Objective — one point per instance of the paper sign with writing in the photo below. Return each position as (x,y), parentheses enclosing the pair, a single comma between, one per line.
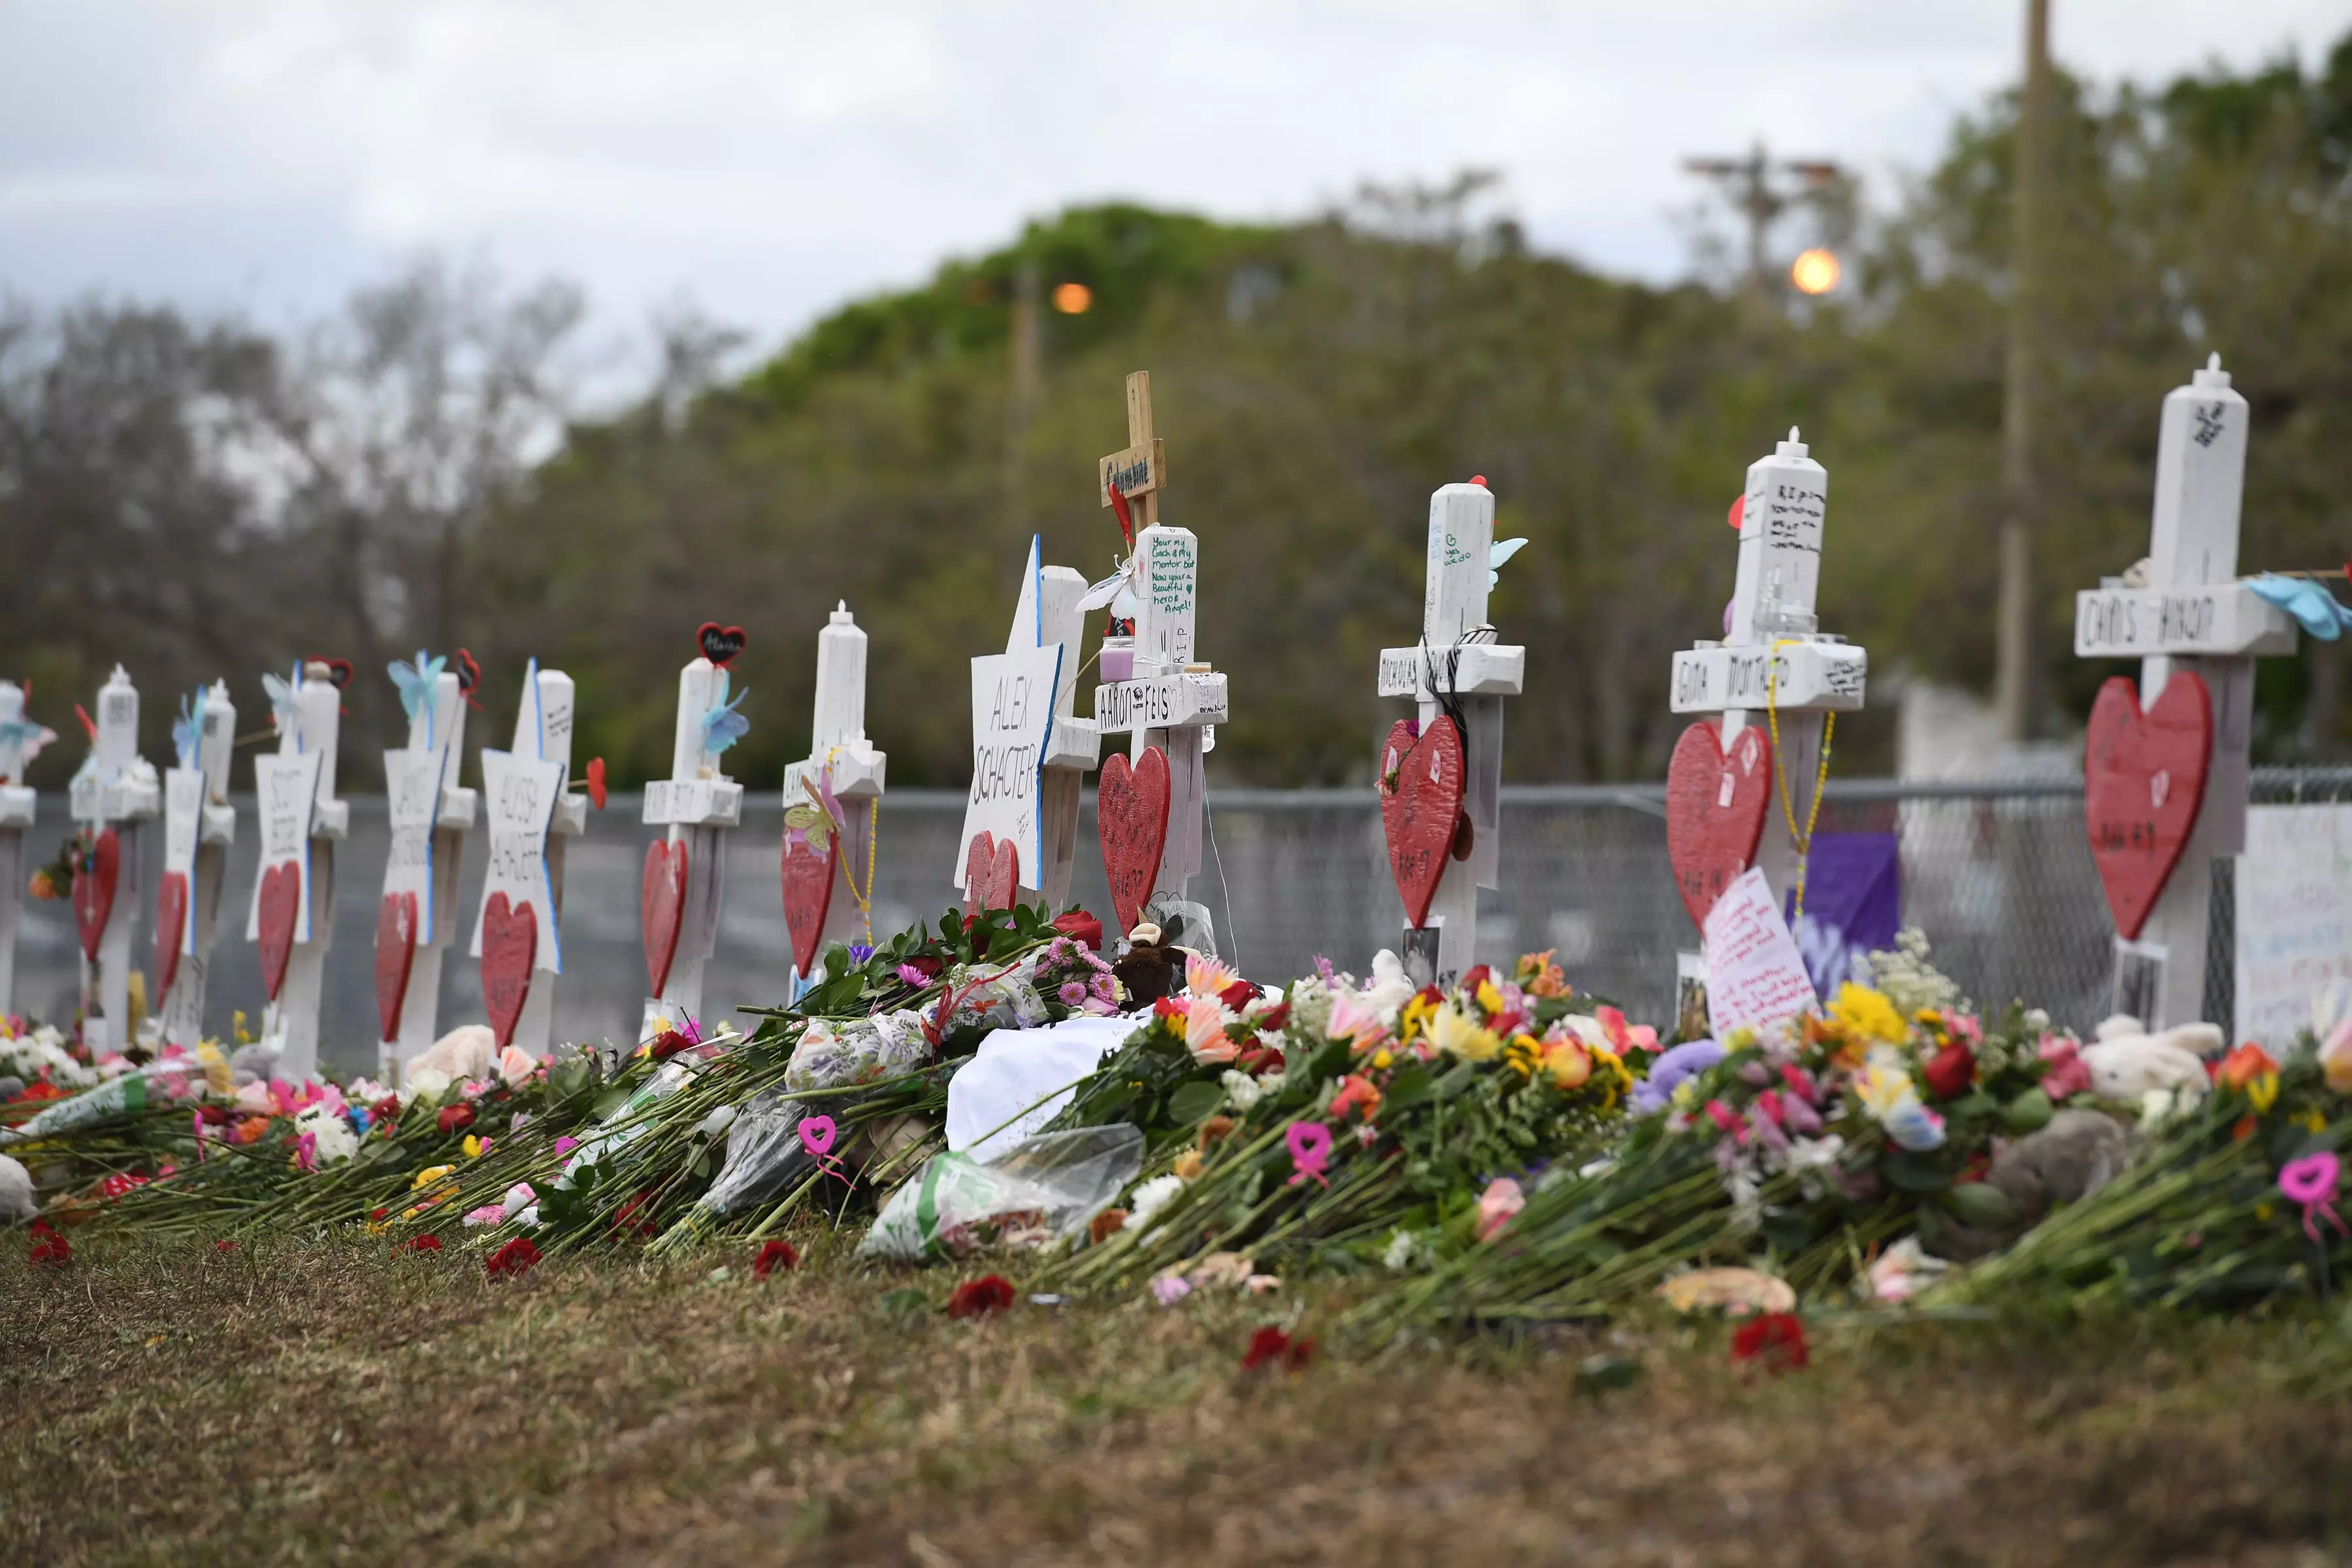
(2294,916)
(520,794)
(412,787)
(286,784)
(183,808)
(1755,975)
(1012,720)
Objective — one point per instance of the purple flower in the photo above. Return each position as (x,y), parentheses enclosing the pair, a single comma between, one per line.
(913,976)
(1103,987)
(1684,1061)
(564,1145)
(1072,993)
(859,952)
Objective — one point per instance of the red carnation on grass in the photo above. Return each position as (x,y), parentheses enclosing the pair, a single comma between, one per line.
(1951,1072)
(667,1044)
(455,1118)
(632,1215)
(517,1256)
(48,1246)
(774,1255)
(418,1244)
(1271,1347)
(978,1298)
(1082,927)
(1774,1340)
(224,1246)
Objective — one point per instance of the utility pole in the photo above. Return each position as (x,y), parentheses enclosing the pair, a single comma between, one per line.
(1022,401)
(2014,696)
(1754,189)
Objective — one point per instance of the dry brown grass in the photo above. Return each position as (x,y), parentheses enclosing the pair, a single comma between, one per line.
(289,1402)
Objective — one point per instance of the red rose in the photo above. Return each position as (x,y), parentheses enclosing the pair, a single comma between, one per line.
(1169,1007)
(216,1115)
(929,968)
(1271,1347)
(1081,926)
(1430,995)
(1951,1072)
(774,1255)
(1264,1059)
(1507,1023)
(48,1246)
(978,1298)
(418,1243)
(667,1044)
(632,1217)
(517,1256)
(1777,1340)
(386,1110)
(1238,995)
(1276,1016)
(456,1118)
(1479,975)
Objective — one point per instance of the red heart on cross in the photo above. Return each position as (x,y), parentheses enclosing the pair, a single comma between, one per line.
(1421,808)
(1715,810)
(663,904)
(2143,781)
(280,906)
(510,945)
(597,783)
(93,890)
(171,925)
(1131,821)
(808,893)
(395,955)
(992,873)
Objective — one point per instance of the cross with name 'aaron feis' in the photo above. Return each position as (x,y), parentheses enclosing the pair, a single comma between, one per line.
(1149,802)
(1441,771)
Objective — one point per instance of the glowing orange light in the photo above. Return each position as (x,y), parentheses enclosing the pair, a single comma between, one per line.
(1816,271)
(1073,299)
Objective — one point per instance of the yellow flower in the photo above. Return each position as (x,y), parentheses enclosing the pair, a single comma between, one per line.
(1415,1017)
(1488,998)
(1568,1063)
(427,1176)
(1382,1059)
(1885,1089)
(1188,1165)
(1864,1013)
(472,1147)
(1523,1055)
(1453,1030)
(1615,1079)
(2314,1122)
(2264,1093)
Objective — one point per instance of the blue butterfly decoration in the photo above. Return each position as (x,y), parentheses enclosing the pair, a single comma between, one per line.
(1502,549)
(416,682)
(24,733)
(722,726)
(188,730)
(281,697)
(2319,611)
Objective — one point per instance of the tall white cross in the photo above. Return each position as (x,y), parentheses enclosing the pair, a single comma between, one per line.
(842,763)
(199,825)
(300,820)
(1774,658)
(697,805)
(116,790)
(429,815)
(2191,617)
(1457,659)
(532,816)
(21,740)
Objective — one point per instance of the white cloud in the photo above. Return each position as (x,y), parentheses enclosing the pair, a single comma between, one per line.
(771,159)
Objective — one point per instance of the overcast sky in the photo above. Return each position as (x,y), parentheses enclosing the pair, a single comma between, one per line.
(769,160)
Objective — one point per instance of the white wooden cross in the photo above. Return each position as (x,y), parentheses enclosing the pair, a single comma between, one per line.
(429,815)
(1774,657)
(21,740)
(1029,753)
(300,822)
(1457,658)
(2191,616)
(115,789)
(842,763)
(1170,698)
(199,825)
(697,805)
(532,818)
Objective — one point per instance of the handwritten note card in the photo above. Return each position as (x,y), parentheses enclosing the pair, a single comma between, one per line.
(412,787)
(519,793)
(1755,975)
(287,786)
(1011,718)
(2294,916)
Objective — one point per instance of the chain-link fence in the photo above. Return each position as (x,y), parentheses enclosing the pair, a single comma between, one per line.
(1999,875)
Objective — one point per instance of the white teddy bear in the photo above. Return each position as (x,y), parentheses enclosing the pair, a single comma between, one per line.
(2126,1061)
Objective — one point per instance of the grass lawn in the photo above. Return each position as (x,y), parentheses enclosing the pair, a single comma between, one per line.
(324,1401)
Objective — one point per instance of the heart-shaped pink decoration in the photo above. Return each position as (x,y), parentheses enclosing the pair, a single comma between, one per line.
(1715,810)
(395,955)
(2143,781)
(171,925)
(1421,808)
(808,893)
(93,890)
(817,1135)
(1131,821)
(509,946)
(663,905)
(1310,1150)
(280,907)
(992,873)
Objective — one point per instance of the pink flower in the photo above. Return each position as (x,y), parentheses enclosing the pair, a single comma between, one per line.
(1623,1037)
(489,1213)
(913,976)
(1724,1116)
(1072,993)
(565,1144)
(305,1151)
(516,1066)
(1169,1288)
(1204,1032)
(2065,1074)
(1497,1205)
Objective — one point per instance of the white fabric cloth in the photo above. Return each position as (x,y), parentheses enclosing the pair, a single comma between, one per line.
(1020,1080)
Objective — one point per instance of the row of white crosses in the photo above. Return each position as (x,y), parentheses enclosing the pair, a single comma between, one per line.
(2188,617)
(21,740)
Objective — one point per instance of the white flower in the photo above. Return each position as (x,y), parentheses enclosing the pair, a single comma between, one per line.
(332,1138)
(1405,1252)
(1904,1271)
(1150,1198)
(427,1084)
(1272,1082)
(1310,1005)
(1389,989)
(1814,1162)
(521,1198)
(1242,1090)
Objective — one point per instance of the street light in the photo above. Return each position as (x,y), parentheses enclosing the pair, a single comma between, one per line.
(1815,271)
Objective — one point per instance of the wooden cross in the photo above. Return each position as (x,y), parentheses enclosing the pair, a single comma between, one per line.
(1448,661)
(2191,617)
(21,740)
(1138,470)
(199,825)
